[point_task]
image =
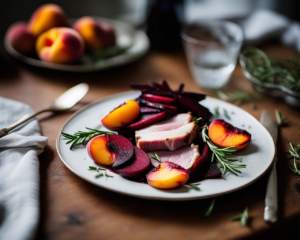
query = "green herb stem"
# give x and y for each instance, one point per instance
(243, 217)
(210, 208)
(82, 138)
(225, 163)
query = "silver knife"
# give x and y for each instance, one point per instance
(271, 201)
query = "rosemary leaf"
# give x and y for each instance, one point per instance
(154, 156)
(226, 114)
(217, 112)
(280, 120)
(243, 217)
(210, 208)
(92, 168)
(99, 175)
(193, 186)
(197, 119)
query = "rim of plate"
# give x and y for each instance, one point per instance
(160, 198)
(139, 35)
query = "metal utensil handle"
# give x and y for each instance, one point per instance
(271, 201)
(4, 131)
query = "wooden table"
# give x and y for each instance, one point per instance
(74, 209)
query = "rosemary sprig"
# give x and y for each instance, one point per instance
(193, 186)
(197, 119)
(262, 68)
(295, 152)
(280, 121)
(243, 217)
(226, 114)
(82, 138)
(210, 208)
(220, 153)
(217, 112)
(97, 169)
(154, 156)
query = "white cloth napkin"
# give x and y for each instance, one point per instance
(264, 25)
(19, 173)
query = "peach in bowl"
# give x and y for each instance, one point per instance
(60, 45)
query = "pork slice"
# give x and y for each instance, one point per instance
(169, 124)
(184, 157)
(167, 140)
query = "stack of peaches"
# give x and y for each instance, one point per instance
(50, 35)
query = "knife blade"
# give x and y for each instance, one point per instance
(271, 201)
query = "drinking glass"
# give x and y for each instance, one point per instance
(212, 48)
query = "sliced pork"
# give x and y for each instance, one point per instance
(184, 157)
(172, 123)
(167, 140)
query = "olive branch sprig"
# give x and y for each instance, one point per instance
(82, 138)
(220, 153)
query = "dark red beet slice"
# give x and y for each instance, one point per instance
(213, 171)
(188, 104)
(159, 99)
(146, 120)
(121, 149)
(202, 164)
(167, 108)
(146, 110)
(140, 165)
(164, 90)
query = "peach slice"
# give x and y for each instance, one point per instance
(112, 150)
(122, 115)
(167, 175)
(223, 135)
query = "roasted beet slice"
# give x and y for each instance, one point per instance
(146, 120)
(146, 110)
(213, 171)
(159, 99)
(164, 90)
(139, 165)
(167, 108)
(188, 104)
(121, 149)
(202, 164)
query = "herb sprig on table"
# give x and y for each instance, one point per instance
(295, 152)
(225, 163)
(261, 67)
(280, 121)
(210, 208)
(82, 138)
(243, 217)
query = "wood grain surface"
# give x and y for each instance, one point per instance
(74, 209)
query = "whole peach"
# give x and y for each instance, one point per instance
(46, 17)
(60, 45)
(96, 34)
(20, 39)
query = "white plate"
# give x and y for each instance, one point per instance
(257, 156)
(126, 36)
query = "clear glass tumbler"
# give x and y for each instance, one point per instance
(212, 48)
